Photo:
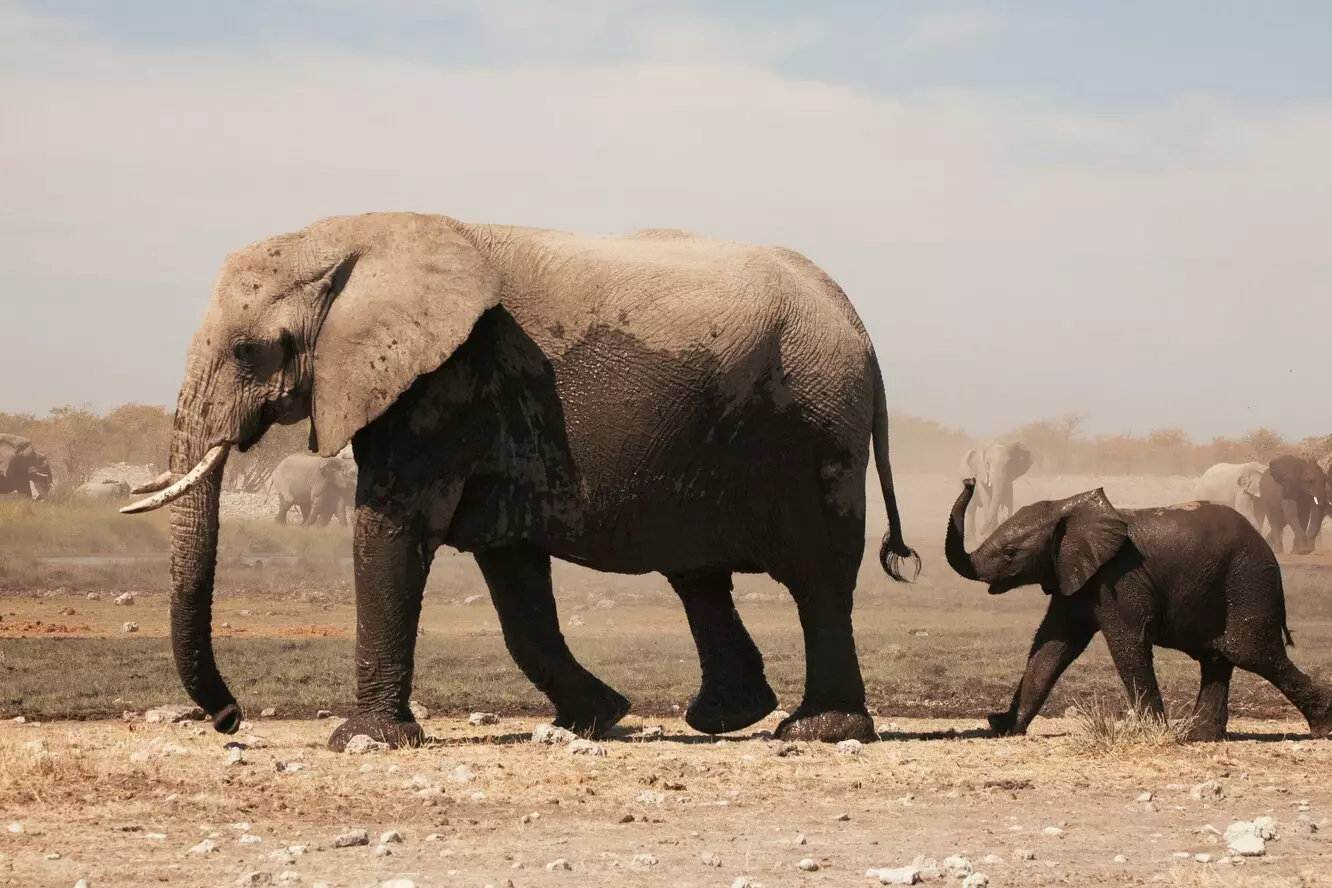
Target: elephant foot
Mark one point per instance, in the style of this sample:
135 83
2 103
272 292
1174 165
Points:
593 715
1205 732
1320 726
718 711
395 733
830 726
1004 724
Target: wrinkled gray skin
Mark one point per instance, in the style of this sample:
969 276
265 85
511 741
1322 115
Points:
1294 491
995 466
111 489
321 487
1196 578
651 402
1235 485
23 468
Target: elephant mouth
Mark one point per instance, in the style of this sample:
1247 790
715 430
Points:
1001 586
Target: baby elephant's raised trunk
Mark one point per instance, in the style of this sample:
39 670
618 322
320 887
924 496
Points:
954 547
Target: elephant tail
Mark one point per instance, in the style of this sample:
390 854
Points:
1290 639
893 548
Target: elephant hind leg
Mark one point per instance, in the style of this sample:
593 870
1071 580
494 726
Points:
1313 699
1211 712
518 576
734 693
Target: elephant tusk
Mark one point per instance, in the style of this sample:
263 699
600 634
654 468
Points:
161 482
210 461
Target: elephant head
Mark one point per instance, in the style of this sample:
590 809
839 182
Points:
995 467
24 468
331 323
1056 544
1299 478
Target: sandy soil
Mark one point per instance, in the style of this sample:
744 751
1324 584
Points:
124 804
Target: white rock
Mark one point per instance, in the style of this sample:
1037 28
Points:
207 846
323 713
235 756
1053 832
710 858
1024 854
1203 858
289 876
351 838
745 882
250 839
843 817
391 837
1145 797
462 774
605 604
51 855
257 877
992 859
391 883
381 851
1119 858
901 875
1265 828
552 734
800 839
268 712
1209 790
808 865
472 599
579 746
419 711
130 626
1242 838
94 596
850 747
976 880
558 865
643 860
124 599
477 719
36 747
958 867
652 732
282 857
362 744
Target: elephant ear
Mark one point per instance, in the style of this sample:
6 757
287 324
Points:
1090 533
1020 462
405 291
973 466
1249 481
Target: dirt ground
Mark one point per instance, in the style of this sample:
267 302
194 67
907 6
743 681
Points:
125 804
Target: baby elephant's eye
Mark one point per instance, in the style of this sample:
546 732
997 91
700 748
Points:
1010 551
247 352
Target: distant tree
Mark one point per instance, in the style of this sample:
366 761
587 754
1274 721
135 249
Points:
1263 445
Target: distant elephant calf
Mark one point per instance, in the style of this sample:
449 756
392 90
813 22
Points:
321 487
1196 577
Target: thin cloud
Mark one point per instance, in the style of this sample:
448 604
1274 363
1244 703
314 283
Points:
938 30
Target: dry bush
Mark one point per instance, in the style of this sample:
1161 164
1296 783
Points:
1103 730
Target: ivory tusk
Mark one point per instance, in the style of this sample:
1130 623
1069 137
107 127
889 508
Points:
210 461
161 482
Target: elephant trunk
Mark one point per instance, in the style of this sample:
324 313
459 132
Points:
194 529
954 548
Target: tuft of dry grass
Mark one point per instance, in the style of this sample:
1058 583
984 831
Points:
1103 730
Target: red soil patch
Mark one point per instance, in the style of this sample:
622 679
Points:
311 631
21 628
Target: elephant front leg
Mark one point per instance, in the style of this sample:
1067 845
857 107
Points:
1297 516
1060 639
520 587
390 572
734 693
1211 712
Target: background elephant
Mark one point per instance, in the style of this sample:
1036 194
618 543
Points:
110 489
995 466
651 402
1294 491
1195 577
1235 485
23 469
321 487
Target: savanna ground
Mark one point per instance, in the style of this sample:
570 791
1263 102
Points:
122 802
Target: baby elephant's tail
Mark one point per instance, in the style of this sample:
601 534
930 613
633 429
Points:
1290 639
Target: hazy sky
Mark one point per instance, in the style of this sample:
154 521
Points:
1118 208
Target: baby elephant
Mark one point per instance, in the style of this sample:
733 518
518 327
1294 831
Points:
1195 577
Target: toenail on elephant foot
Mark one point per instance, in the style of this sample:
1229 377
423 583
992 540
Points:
831 726
385 730
593 717
718 712
1002 724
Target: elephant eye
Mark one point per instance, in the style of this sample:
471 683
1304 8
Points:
247 352
1010 552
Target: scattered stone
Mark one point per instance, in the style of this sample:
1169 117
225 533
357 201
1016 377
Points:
808 865
430 795
530 818
928 867
850 747
352 838
381 851
1265 828
235 756
130 626
1242 838
902 875
605 604
800 839
226 625
958 867
580 746
124 599
81 883
250 839
843 817
53 855
392 837
992 860
419 711
1053 832
282 857
643 860
560 865
652 732
648 797
258 877
552 734
477 719
788 749
463 774
19 720
1145 797
1024 854
268 712
207 846
1119 858
745 882
36 747
289 876
976 880
472 599
1210 790
392 883
1304 825
361 744
627 818
710 858
1203 858
94 596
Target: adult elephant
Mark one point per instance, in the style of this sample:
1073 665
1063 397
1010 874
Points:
1294 491
321 487
995 466
1194 577
102 491
650 402
23 468
1236 485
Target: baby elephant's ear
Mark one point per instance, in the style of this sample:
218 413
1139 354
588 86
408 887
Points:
1090 534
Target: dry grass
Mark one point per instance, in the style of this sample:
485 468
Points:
1108 731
